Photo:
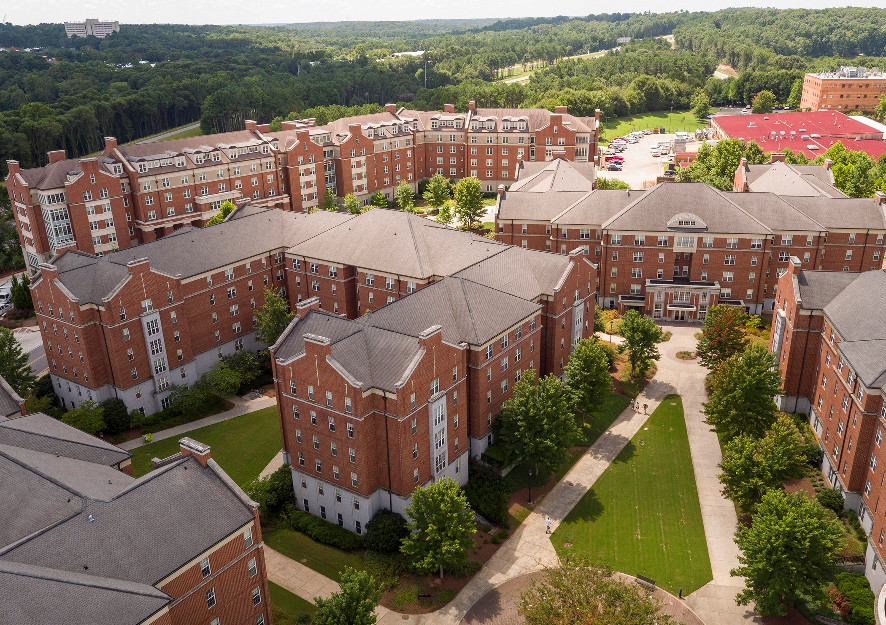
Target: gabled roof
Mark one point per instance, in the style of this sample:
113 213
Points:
54 175
841 213
596 207
819 288
857 311
10 401
40 432
652 211
527 274
36 595
397 243
786 179
866 359
556 175
774 211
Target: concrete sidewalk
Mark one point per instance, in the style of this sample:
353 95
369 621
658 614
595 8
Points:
241 407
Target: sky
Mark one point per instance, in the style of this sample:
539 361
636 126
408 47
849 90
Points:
293 11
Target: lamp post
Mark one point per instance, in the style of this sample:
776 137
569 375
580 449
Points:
529 484
611 321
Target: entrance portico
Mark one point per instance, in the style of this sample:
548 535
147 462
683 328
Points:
680 299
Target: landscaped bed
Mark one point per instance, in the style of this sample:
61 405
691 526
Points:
242 446
643 517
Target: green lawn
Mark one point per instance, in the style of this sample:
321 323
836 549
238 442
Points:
184 134
642 516
289 602
324 559
242 446
603 418
671 122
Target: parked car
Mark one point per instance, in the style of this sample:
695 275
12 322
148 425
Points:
655 153
613 167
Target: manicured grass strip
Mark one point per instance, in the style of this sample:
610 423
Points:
242 446
289 602
642 516
671 122
324 559
603 418
184 134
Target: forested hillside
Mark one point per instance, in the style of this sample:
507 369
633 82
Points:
148 78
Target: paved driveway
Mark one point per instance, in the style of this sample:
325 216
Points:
639 165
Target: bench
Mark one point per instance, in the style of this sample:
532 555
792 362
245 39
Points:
645 582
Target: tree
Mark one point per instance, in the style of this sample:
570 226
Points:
440 527
438 191
469 208
763 102
273 492
881 108
88 417
276 124
115 415
787 551
354 605
405 197
641 337
351 204
537 424
445 216
701 104
796 94
722 335
599 321
14 367
385 532
379 200
21 293
612 183
587 377
272 318
245 363
330 199
742 388
220 381
224 210
580 592
752 467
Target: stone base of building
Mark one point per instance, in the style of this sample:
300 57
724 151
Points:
794 403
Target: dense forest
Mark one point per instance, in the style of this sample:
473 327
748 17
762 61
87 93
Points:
69 93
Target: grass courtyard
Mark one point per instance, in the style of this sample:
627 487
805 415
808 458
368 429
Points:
242 446
670 121
642 517
287 605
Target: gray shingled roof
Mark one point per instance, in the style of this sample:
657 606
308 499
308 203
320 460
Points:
775 212
556 175
841 213
54 175
527 274
35 595
192 251
785 179
596 208
819 288
857 311
536 206
176 146
40 432
652 211
397 243
866 359
184 507
10 401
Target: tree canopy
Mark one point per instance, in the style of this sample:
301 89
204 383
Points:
587 376
722 335
469 207
14 367
641 337
272 317
354 604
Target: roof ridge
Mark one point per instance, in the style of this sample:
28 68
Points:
728 199
470 311
37 471
80 579
56 438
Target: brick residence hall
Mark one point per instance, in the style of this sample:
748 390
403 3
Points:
84 542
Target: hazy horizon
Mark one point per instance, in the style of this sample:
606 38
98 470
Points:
263 12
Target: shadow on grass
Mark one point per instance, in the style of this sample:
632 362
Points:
591 509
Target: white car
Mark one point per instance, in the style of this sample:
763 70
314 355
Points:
655 153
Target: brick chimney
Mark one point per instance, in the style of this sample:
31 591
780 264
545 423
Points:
302 307
827 163
251 124
13 167
110 145
265 128
556 119
56 156
390 108
777 157
560 109
356 130
290 125
190 447
597 114
739 181
472 106
501 191
880 198
449 108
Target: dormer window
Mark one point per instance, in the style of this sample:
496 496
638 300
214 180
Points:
686 222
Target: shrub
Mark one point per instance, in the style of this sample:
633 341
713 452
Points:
494 455
859 597
487 493
831 499
610 354
116 415
274 492
463 569
43 386
385 568
813 454
323 531
385 532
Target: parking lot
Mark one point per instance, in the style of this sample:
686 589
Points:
639 165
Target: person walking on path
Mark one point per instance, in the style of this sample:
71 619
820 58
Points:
644 408
547 525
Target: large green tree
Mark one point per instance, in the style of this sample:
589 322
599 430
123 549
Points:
441 524
330 200
752 467
716 165
88 416
641 337
14 367
612 183
438 191
537 424
763 102
787 551
272 318
722 335
405 197
469 207
379 200
578 591
742 388
354 604
587 377
796 94
701 104
351 204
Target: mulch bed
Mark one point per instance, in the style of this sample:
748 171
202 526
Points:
793 618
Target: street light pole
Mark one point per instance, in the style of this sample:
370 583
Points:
530 485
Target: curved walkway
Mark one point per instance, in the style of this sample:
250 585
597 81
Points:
529 549
499 606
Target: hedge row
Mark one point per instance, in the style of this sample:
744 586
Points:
323 531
